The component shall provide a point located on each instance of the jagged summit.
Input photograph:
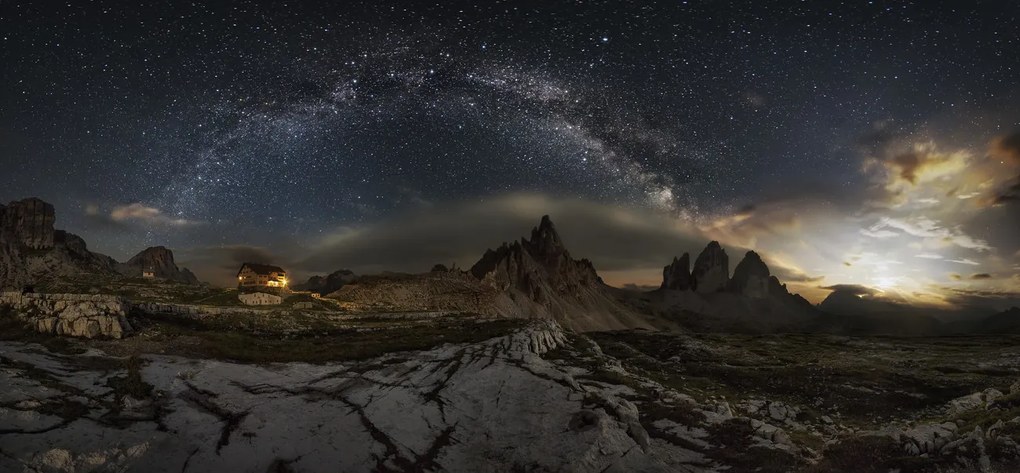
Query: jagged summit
(710, 274)
(753, 300)
(546, 250)
(711, 270)
(541, 277)
(751, 277)
(545, 240)
(677, 275)
(159, 260)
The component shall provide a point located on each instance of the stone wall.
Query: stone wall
(197, 311)
(75, 315)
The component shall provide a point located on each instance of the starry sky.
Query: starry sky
(864, 144)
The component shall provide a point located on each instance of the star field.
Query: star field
(300, 117)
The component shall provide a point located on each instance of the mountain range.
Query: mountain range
(533, 277)
(33, 253)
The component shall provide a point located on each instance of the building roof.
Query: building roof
(261, 268)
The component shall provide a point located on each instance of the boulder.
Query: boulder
(978, 400)
(927, 438)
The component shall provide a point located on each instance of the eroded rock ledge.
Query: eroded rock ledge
(75, 315)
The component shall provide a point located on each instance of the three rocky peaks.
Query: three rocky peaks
(711, 273)
(32, 251)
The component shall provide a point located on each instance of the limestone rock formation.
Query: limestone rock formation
(751, 301)
(677, 275)
(751, 278)
(459, 408)
(545, 281)
(28, 222)
(711, 270)
(160, 260)
(74, 315)
(32, 252)
(329, 283)
(540, 267)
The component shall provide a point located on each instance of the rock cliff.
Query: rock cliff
(751, 277)
(160, 260)
(433, 291)
(28, 222)
(711, 270)
(677, 275)
(545, 281)
(32, 252)
(752, 300)
(74, 315)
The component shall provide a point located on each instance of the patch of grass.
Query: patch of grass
(12, 327)
(609, 377)
(202, 339)
(863, 379)
(734, 446)
(222, 297)
(871, 454)
(131, 384)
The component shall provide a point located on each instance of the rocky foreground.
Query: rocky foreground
(534, 399)
(490, 406)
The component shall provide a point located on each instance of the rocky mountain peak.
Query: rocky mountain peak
(711, 270)
(677, 275)
(751, 277)
(540, 279)
(160, 260)
(32, 251)
(155, 257)
(545, 240)
(543, 252)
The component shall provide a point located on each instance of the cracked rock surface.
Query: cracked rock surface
(490, 406)
(534, 399)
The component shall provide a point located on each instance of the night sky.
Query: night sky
(872, 144)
